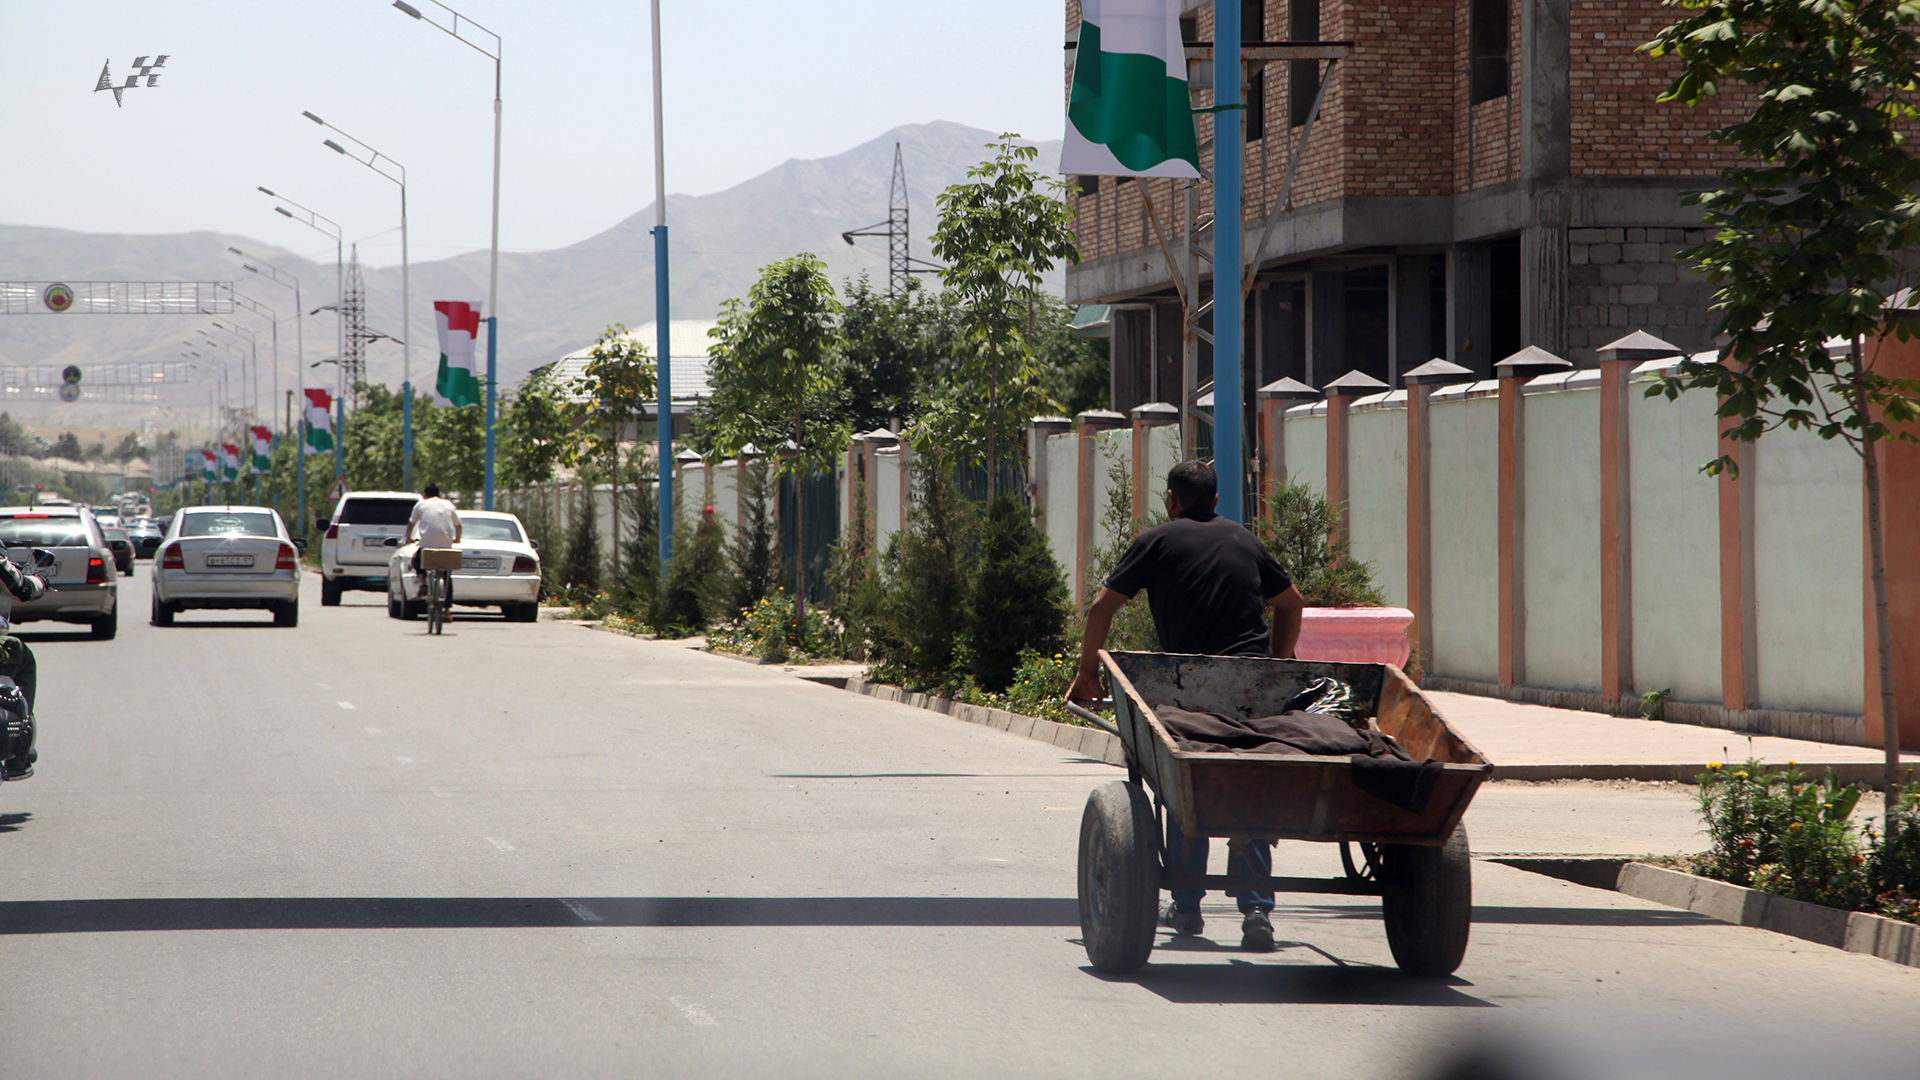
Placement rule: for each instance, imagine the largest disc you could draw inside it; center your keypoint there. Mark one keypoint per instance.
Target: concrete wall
(883, 494)
(1305, 435)
(1377, 490)
(725, 499)
(1466, 498)
(1063, 503)
(1162, 454)
(1675, 536)
(1808, 543)
(1561, 539)
(1110, 448)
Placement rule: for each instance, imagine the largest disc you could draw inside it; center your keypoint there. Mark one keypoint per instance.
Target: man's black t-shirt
(1207, 580)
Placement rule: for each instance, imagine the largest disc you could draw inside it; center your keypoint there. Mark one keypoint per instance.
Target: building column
(1421, 383)
(1469, 307)
(1091, 423)
(1514, 373)
(1146, 417)
(1617, 362)
(1900, 537)
(1543, 274)
(1739, 685)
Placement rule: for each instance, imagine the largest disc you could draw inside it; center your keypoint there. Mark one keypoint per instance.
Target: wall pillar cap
(1154, 414)
(1529, 362)
(749, 452)
(1637, 347)
(1354, 383)
(1100, 418)
(688, 457)
(879, 437)
(1286, 389)
(1437, 372)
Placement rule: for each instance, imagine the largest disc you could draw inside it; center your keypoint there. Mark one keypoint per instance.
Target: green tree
(127, 448)
(1019, 598)
(1074, 371)
(999, 232)
(68, 446)
(774, 376)
(615, 384)
(14, 439)
(533, 435)
(897, 348)
(756, 564)
(1813, 231)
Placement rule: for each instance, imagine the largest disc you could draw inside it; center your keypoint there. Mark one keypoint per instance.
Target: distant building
(1482, 175)
(689, 341)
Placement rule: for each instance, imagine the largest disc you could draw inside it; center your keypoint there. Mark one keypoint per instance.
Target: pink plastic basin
(1366, 635)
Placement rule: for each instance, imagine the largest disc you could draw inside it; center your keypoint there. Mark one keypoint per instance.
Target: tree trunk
(993, 441)
(614, 498)
(799, 545)
(1877, 572)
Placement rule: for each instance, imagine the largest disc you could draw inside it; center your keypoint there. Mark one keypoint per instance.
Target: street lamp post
(493, 265)
(312, 221)
(663, 356)
(253, 364)
(372, 161)
(274, 274)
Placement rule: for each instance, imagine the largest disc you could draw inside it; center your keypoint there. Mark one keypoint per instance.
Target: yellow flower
(1789, 761)
(1713, 764)
(1793, 826)
(1741, 775)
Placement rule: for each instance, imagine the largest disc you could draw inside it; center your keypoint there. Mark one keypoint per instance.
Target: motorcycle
(16, 712)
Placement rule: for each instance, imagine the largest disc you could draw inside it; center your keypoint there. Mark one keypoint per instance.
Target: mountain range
(551, 302)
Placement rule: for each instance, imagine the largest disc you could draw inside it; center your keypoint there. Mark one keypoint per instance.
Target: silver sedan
(227, 557)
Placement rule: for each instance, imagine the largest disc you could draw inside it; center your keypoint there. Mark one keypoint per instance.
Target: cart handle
(1094, 718)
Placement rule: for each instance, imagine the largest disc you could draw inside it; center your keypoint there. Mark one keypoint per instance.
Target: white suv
(355, 551)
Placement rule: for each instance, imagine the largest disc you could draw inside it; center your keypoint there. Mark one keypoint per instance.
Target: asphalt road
(351, 849)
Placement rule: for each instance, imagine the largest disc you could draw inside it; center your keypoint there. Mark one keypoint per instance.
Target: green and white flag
(459, 323)
(319, 422)
(229, 462)
(1128, 113)
(262, 448)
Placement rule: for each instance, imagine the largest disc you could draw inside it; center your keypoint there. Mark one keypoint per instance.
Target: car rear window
(489, 529)
(43, 532)
(229, 523)
(115, 533)
(376, 511)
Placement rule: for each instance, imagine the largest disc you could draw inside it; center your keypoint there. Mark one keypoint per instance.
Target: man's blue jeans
(1258, 863)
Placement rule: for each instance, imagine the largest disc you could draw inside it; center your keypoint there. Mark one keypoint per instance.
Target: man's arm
(1086, 681)
(1285, 635)
(413, 521)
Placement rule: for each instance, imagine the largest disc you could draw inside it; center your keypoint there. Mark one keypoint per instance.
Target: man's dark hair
(432, 491)
(1194, 483)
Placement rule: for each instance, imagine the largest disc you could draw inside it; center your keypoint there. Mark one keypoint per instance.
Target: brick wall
(1618, 127)
(1630, 279)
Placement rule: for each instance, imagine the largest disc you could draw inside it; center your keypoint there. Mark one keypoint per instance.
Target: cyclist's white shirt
(434, 521)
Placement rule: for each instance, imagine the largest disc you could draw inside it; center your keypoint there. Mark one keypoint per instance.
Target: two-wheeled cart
(1416, 861)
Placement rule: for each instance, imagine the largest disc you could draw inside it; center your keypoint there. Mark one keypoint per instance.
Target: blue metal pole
(300, 470)
(1228, 144)
(406, 436)
(493, 341)
(340, 436)
(664, 367)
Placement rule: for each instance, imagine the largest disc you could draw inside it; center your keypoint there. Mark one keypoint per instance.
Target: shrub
(926, 578)
(757, 562)
(1133, 626)
(1018, 601)
(693, 594)
(580, 567)
(1040, 682)
(1781, 833)
(1302, 531)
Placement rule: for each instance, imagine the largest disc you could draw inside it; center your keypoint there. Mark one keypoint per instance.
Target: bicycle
(437, 566)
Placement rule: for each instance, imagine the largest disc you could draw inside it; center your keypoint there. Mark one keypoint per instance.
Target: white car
(354, 553)
(498, 568)
(227, 557)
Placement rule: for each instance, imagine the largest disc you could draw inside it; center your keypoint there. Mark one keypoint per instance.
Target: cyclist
(435, 523)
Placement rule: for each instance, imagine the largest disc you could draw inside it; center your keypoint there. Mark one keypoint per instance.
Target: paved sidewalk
(1539, 742)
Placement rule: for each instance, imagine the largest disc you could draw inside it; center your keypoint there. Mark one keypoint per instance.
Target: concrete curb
(1085, 741)
(1853, 931)
(1865, 773)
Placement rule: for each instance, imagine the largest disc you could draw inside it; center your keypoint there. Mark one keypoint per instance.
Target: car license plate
(229, 560)
(373, 542)
(479, 564)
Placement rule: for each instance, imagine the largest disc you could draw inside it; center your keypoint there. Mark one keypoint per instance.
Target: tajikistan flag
(459, 323)
(209, 465)
(319, 422)
(262, 448)
(229, 461)
(1128, 113)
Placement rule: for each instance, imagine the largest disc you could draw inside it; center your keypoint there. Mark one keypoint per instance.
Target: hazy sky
(748, 85)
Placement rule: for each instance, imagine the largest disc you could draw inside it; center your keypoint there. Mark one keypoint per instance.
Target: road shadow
(36, 637)
(180, 623)
(1244, 982)
(1525, 916)
(866, 775)
(12, 822)
(518, 912)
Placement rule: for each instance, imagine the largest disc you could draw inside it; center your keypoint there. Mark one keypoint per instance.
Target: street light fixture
(312, 221)
(372, 161)
(275, 274)
(493, 266)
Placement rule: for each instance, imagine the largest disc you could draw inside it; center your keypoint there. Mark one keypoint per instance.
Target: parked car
(227, 557)
(84, 588)
(145, 536)
(355, 552)
(499, 567)
(121, 547)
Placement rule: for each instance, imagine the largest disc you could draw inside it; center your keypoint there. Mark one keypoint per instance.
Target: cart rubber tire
(329, 593)
(1119, 877)
(1427, 902)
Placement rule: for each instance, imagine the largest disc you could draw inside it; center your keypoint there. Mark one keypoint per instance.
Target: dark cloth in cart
(1208, 581)
(1381, 767)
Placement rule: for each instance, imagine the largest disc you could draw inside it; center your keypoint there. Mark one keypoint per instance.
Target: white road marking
(373, 731)
(344, 704)
(404, 760)
(694, 1014)
(441, 793)
(585, 913)
(499, 843)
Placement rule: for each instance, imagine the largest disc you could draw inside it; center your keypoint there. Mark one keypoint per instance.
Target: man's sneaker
(18, 770)
(1183, 923)
(1256, 932)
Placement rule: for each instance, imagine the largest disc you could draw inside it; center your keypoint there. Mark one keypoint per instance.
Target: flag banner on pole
(1128, 113)
(319, 422)
(262, 448)
(459, 324)
(229, 461)
(209, 465)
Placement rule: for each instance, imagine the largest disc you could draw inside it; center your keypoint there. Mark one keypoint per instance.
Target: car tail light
(333, 532)
(524, 564)
(170, 558)
(288, 558)
(96, 571)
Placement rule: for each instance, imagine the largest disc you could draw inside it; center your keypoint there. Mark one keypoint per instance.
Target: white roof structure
(688, 341)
